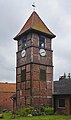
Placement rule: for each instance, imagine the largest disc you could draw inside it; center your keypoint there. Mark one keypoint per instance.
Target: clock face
(42, 52)
(23, 53)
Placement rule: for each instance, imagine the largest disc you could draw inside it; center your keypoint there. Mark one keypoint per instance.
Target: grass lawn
(8, 116)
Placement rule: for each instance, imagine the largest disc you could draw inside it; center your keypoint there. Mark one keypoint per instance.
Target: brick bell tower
(34, 71)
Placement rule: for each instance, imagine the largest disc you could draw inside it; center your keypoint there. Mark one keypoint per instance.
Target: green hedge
(31, 111)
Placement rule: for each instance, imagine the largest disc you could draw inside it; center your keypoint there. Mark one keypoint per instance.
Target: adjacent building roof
(7, 87)
(62, 87)
(35, 23)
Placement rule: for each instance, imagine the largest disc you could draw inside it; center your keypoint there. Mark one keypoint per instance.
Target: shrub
(49, 111)
(34, 112)
(21, 113)
(29, 109)
(38, 112)
(24, 112)
(42, 108)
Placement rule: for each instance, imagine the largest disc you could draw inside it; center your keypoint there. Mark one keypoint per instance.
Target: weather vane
(33, 5)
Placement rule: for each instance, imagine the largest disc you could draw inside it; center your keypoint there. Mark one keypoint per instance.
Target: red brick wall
(5, 101)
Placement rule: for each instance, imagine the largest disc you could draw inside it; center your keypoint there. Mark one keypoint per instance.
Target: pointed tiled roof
(35, 23)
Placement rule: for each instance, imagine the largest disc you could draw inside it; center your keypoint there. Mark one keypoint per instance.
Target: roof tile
(35, 22)
(62, 87)
(7, 87)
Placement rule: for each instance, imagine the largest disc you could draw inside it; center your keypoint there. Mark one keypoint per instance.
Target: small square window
(61, 102)
(42, 75)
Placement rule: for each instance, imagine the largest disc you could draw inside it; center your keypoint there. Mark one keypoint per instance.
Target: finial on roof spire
(33, 5)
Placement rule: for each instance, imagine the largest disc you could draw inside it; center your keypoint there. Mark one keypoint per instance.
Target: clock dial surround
(23, 53)
(42, 52)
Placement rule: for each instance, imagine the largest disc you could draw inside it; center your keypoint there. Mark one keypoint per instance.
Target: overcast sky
(56, 14)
